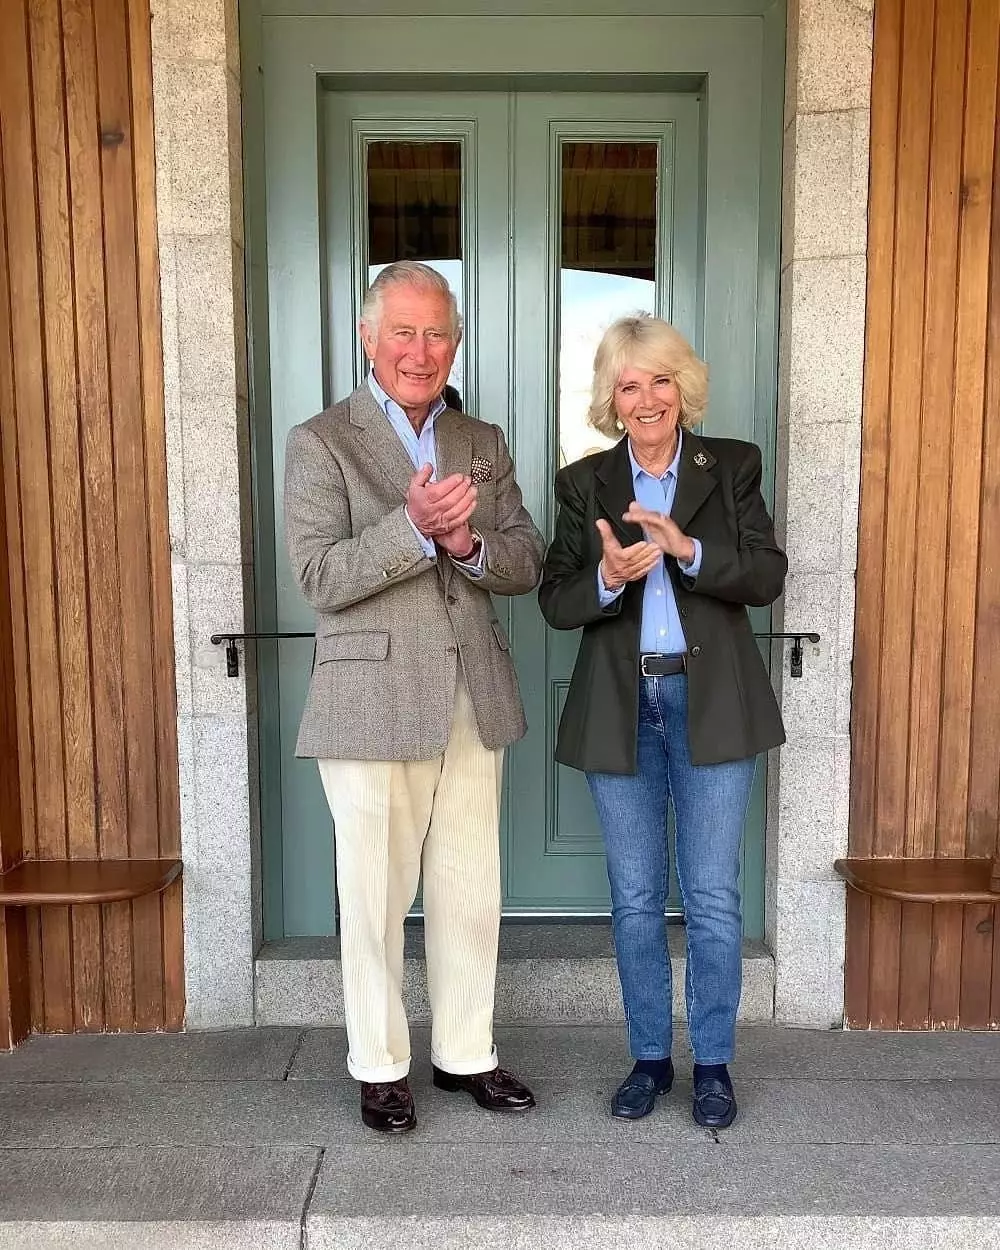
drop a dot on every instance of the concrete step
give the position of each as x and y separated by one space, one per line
685 1197
547 973
251 1139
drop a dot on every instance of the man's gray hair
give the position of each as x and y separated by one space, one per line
411 273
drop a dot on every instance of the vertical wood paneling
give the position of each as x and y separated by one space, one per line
15 998
874 430
892 926
924 645
164 918
84 480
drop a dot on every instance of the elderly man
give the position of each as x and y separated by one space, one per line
402 518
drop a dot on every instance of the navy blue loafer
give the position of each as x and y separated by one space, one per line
714 1102
636 1096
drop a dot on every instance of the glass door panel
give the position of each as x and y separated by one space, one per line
608 212
414 212
606 223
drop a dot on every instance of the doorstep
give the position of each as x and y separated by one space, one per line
547 973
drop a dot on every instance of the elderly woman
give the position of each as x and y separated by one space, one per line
660 545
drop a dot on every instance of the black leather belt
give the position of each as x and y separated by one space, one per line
653 664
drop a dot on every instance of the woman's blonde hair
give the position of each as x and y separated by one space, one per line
645 342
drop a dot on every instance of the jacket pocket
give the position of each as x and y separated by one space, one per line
503 642
370 645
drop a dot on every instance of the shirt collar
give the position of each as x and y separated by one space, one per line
670 470
383 399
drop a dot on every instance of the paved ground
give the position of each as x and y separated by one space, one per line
252 1139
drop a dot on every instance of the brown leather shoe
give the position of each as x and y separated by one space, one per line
496 1090
387 1106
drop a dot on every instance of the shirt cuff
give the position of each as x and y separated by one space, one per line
694 568
428 544
606 597
473 568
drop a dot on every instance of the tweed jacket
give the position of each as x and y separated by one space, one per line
732 711
392 624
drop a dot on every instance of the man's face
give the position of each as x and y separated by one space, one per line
415 348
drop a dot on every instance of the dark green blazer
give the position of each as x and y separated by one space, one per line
732 711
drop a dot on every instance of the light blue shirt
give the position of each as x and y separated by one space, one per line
422 449
661 623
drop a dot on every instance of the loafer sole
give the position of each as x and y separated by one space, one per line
450 1085
641 1115
389 1128
506 1108
714 1121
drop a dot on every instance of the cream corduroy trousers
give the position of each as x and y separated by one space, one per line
392 819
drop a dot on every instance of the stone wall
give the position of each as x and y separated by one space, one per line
200 207
821 361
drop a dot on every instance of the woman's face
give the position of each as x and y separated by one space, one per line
649 407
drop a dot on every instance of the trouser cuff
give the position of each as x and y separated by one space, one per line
466 1067
378 1076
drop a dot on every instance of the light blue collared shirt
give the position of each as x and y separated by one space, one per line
422 449
661 623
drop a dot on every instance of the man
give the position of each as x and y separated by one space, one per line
402 518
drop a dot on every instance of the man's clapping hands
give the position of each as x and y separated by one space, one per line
441 510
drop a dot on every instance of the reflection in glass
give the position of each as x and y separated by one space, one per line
608 267
414 205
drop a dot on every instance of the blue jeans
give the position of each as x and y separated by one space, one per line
710 803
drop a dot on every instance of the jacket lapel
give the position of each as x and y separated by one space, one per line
453 452
615 491
380 439
695 481
453 443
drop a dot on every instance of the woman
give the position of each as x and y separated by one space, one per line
660 545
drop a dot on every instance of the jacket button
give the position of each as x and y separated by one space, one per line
696 650
452 650
684 611
452 599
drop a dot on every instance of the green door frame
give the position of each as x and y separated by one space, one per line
733 51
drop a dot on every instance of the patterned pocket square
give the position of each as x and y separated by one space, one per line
482 470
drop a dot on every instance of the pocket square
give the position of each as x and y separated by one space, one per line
482 470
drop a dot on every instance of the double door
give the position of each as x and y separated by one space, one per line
551 212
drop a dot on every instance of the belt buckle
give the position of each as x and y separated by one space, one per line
642 666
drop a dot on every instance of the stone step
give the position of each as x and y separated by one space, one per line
443 1196
251 1140
547 973
685 1197
153 1198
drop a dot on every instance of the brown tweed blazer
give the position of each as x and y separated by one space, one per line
392 624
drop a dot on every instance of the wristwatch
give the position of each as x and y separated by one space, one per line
477 542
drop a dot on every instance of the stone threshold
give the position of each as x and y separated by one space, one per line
548 973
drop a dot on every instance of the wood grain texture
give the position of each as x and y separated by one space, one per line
926 779
71 882
90 684
922 880
15 994
875 426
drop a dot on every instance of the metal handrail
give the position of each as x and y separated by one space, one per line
233 655
796 656
232 652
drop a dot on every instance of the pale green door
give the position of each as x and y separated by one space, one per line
551 211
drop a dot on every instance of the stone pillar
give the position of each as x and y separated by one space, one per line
200 210
821 359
